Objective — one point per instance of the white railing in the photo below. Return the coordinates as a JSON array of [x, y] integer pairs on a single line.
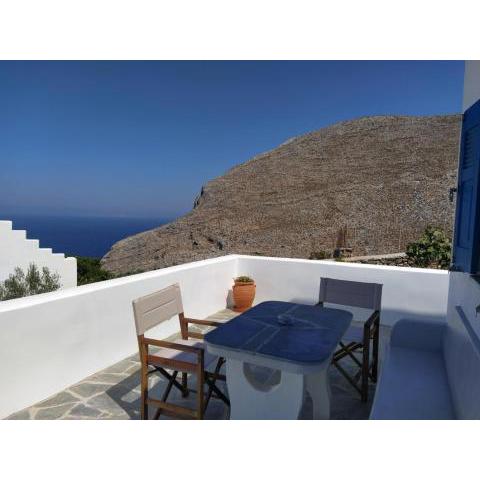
[[54, 340]]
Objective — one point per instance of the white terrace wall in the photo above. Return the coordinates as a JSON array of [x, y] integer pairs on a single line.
[[16, 250], [51, 341], [407, 292]]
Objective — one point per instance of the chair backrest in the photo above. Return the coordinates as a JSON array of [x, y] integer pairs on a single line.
[[353, 294], [157, 307]]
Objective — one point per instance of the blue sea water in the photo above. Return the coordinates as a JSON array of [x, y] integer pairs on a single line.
[[81, 236]]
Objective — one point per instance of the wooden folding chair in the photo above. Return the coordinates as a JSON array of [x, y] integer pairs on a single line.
[[184, 355], [358, 337]]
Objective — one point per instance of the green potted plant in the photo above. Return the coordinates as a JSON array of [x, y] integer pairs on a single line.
[[243, 293]]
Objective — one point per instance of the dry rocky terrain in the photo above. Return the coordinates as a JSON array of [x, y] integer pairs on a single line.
[[379, 179]]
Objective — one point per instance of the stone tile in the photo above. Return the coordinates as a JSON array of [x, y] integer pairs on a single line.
[[130, 396], [113, 416], [133, 369], [105, 403], [107, 378], [217, 410], [88, 389], [59, 399], [53, 413], [131, 382], [21, 415], [84, 411], [118, 417]]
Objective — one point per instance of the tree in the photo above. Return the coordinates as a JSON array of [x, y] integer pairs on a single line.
[[89, 270], [433, 249], [19, 284]]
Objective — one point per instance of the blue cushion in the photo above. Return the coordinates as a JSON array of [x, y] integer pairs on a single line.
[[418, 334], [413, 386]]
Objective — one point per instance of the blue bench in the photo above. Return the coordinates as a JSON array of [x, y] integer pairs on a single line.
[[431, 370]]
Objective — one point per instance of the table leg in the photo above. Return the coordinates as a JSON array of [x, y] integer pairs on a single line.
[[250, 400], [318, 386]]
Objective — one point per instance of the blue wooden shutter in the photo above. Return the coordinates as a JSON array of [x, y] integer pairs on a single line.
[[466, 244]]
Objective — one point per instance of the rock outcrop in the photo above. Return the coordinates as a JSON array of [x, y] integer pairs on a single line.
[[371, 184]]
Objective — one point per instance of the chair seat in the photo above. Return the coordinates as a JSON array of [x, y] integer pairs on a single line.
[[209, 360]]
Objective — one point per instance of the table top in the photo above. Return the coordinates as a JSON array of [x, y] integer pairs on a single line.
[[296, 333]]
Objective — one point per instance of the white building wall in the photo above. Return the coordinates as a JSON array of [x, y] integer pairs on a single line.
[[464, 288], [51, 341], [471, 87], [18, 251]]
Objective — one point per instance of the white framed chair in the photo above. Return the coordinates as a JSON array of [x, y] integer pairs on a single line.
[[185, 356], [358, 338]]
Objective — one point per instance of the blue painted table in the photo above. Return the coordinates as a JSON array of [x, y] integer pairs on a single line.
[[276, 352]]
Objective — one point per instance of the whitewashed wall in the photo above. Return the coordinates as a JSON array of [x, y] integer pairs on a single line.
[[465, 292], [407, 292], [16, 250], [51, 341], [464, 289], [471, 86]]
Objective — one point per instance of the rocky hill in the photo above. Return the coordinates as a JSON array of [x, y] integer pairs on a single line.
[[371, 184]]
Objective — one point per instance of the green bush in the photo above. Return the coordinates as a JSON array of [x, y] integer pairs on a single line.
[[89, 270], [19, 284], [433, 249], [320, 255]]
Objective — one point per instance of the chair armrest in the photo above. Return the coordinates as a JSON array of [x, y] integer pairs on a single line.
[[211, 323], [418, 334], [173, 346]]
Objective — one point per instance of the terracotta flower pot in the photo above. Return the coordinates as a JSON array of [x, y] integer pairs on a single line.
[[243, 295]]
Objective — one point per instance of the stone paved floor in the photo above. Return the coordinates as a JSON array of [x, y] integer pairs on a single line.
[[114, 393]]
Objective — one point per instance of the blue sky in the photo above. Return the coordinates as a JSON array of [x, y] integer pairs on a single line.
[[140, 138]]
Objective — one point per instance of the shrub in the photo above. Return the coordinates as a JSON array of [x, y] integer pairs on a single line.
[[320, 255], [433, 249], [19, 284], [89, 270]]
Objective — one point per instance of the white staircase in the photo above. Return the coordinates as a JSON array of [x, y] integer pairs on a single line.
[[16, 250]]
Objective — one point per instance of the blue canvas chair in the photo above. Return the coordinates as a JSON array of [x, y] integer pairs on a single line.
[[359, 338]]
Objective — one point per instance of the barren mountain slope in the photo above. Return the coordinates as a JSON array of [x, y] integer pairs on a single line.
[[383, 178]]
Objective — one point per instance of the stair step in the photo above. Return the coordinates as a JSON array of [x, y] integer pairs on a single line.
[[5, 226], [33, 243], [19, 234]]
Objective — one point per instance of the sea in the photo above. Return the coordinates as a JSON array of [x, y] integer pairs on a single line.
[[80, 236]]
